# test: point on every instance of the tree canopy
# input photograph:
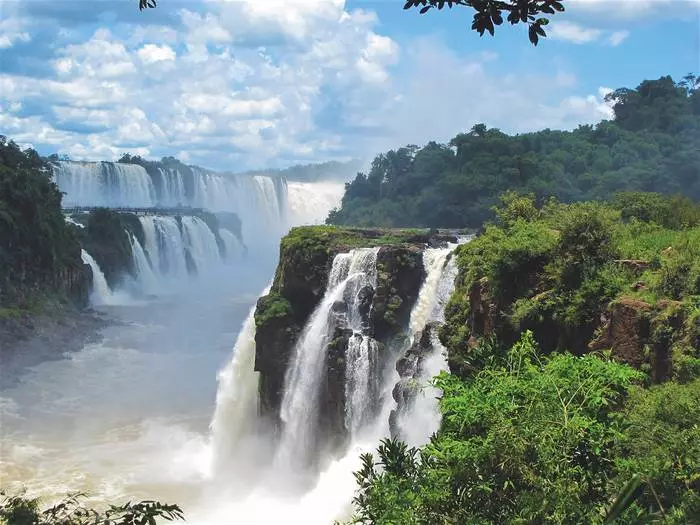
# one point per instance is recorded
(650, 145)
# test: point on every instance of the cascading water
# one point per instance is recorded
(235, 417)
(104, 184)
(201, 243)
(144, 272)
(310, 202)
(300, 404)
(100, 293)
(232, 245)
(164, 245)
(417, 421)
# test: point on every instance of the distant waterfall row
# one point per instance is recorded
(173, 249)
(265, 205)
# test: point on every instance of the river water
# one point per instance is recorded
(128, 416)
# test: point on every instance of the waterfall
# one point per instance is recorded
(164, 245)
(299, 412)
(201, 243)
(236, 401)
(171, 188)
(100, 293)
(310, 202)
(417, 421)
(234, 249)
(144, 272)
(104, 184)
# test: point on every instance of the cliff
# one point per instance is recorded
(306, 258)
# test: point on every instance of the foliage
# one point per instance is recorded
(19, 510)
(270, 307)
(37, 247)
(533, 439)
(650, 146)
(489, 13)
(556, 269)
(660, 443)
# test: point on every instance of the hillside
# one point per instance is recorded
(651, 145)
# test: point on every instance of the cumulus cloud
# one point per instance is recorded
(634, 9)
(151, 53)
(12, 30)
(247, 84)
(578, 34)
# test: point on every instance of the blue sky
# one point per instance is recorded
(247, 84)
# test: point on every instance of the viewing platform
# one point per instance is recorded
(136, 211)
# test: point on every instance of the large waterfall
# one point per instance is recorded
(266, 205)
(350, 275)
(106, 184)
(344, 307)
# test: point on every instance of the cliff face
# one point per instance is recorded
(306, 258)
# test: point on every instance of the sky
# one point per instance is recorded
(249, 84)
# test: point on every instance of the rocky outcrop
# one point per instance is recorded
(306, 258)
(625, 330)
(400, 274)
(644, 335)
(483, 309)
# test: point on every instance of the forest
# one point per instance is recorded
(39, 251)
(651, 145)
(573, 338)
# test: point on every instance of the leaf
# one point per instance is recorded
(625, 498)
(532, 33)
(425, 9)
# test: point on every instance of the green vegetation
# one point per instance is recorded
(271, 307)
(535, 439)
(19, 510)
(39, 252)
(650, 146)
(564, 320)
(557, 269)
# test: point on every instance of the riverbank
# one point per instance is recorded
(28, 338)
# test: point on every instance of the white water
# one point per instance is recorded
(418, 421)
(101, 293)
(361, 371)
(104, 184)
(201, 243)
(234, 249)
(164, 245)
(144, 273)
(310, 202)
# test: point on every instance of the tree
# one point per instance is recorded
(489, 13)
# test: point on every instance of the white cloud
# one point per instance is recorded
(633, 9)
(246, 84)
(618, 37)
(151, 53)
(572, 32)
(12, 30)
(578, 34)
(445, 94)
